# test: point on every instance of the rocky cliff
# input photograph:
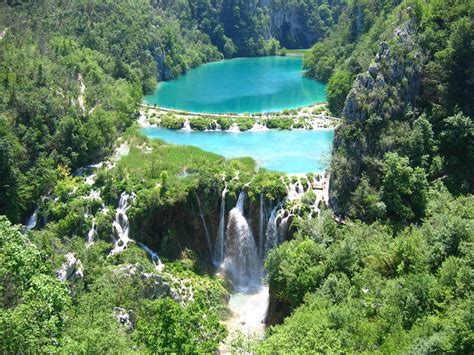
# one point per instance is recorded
(382, 98)
(299, 24)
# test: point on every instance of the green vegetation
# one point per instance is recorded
(406, 95)
(375, 290)
(393, 275)
(396, 277)
(296, 52)
(171, 121)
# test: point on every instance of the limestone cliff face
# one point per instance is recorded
(380, 99)
(171, 229)
(289, 24)
(390, 76)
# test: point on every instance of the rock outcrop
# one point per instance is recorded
(71, 270)
(298, 24)
(125, 318)
(381, 97)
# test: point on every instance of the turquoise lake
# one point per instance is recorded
(241, 85)
(292, 152)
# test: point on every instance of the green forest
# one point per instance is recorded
(386, 267)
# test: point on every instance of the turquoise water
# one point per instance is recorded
(291, 152)
(241, 85)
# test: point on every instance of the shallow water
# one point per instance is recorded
(241, 85)
(291, 152)
(249, 310)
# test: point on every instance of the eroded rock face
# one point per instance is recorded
(155, 286)
(388, 77)
(125, 318)
(71, 270)
(386, 92)
(295, 24)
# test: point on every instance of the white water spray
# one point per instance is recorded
(32, 220)
(91, 234)
(219, 248)
(121, 225)
(154, 257)
(241, 256)
(206, 231)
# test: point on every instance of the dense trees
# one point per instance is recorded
(375, 291)
(383, 287)
(165, 327)
(33, 302)
(396, 277)
(400, 75)
(72, 73)
(338, 87)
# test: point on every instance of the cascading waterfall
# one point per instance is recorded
(241, 256)
(261, 227)
(187, 126)
(91, 234)
(121, 225)
(208, 238)
(154, 257)
(32, 220)
(219, 248)
(273, 235)
(283, 228)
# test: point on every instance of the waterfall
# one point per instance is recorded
(32, 220)
(154, 257)
(276, 228)
(283, 228)
(187, 126)
(121, 225)
(261, 227)
(241, 256)
(208, 239)
(90, 235)
(219, 248)
(271, 234)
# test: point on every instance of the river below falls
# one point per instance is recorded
(249, 310)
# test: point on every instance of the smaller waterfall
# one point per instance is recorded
(219, 248)
(271, 234)
(241, 256)
(187, 126)
(277, 220)
(283, 228)
(32, 220)
(261, 227)
(121, 225)
(91, 234)
(154, 257)
(208, 239)
(234, 128)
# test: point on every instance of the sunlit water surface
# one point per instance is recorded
(241, 85)
(292, 152)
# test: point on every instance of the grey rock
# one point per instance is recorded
(125, 318)
(71, 270)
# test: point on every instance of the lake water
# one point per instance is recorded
(292, 152)
(241, 85)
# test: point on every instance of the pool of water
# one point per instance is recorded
(241, 85)
(292, 152)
